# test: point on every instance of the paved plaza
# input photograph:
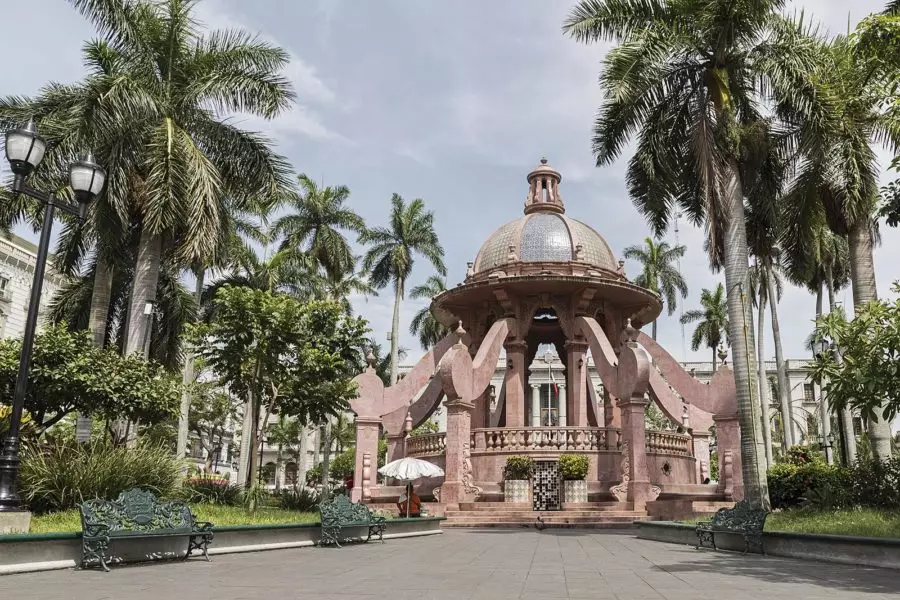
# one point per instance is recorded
(458, 565)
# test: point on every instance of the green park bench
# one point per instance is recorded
(339, 513)
(741, 520)
(138, 514)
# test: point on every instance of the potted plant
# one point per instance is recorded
(517, 478)
(574, 468)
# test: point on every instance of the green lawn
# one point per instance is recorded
(218, 515)
(862, 522)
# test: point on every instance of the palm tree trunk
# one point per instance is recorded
(326, 459)
(824, 413)
(829, 285)
(715, 358)
(143, 291)
(654, 329)
(395, 330)
(784, 390)
(186, 379)
(737, 282)
(100, 299)
(246, 448)
(845, 417)
(301, 459)
(862, 276)
(763, 384)
(819, 302)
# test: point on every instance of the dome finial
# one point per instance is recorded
(543, 160)
(543, 190)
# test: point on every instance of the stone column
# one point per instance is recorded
(728, 439)
(535, 405)
(366, 444)
(563, 415)
(576, 378)
(516, 378)
(457, 467)
(701, 453)
(638, 490)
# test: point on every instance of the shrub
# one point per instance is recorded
(314, 475)
(342, 465)
(518, 467)
(813, 483)
(213, 490)
(876, 483)
(60, 476)
(801, 455)
(255, 497)
(303, 499)
(574, 466)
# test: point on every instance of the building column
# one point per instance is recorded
(700, 441)
(459, 419)
(563, 415)
(535, 405)
(516, 378)
(638, 490)
(366, 445)
(576, 377)
(728, 446)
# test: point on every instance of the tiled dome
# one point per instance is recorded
(545, 233)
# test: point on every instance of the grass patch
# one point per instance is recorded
(70, 520)
(864, 522)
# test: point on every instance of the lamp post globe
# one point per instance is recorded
(24, 149)
(86, 178)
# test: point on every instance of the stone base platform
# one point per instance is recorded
(597, 515)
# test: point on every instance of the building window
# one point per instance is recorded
(809, 393)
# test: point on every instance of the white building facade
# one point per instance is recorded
(18, 258)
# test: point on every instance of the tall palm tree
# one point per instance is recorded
(838, 120)
(685, 78)
(391, 256)
(429, 329)
(315, 223)
(340, 286)
(712, 328)
(158, 96)
(660, 273)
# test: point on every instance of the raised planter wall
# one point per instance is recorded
(868, 552)
(42, 552)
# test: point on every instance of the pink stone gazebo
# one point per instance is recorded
(542, 280)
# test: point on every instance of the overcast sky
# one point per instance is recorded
(452, 102)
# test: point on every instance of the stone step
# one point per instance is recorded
(491, 506)
(525, 514)
(606, 522)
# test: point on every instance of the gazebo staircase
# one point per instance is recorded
(597, 515)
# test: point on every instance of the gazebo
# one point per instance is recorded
(543, 280)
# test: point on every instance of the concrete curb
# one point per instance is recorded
(841, 549)
(27, 553)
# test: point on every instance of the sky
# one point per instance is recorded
(451, 102)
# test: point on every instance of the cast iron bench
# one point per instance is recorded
(137, 514)
(741, 520)
(340, 513)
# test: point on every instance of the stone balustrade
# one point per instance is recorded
(669, 442)
(545, 439)
(430, 444)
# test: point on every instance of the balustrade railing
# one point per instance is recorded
(669, 442)
(547, 439)
(426, 445)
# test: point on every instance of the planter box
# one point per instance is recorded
(843, 549)
(517, 490)
(575, 491)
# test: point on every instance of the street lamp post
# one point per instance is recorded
(24, 151)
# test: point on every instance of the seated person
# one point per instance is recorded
(410, 499)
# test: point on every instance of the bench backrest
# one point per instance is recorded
(341, 510)
(742, 516)
(137, 511)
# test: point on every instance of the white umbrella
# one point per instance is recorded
(410, 469)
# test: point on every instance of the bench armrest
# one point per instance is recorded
(95, 530)
(202, 526)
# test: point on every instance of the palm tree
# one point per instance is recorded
(839, 117)
(340, 286)
(685, 79)
(390, 259)
(429, 329)
(660, 273)
(155, 108)
(712, 329)
(383, 361)
(315, 225)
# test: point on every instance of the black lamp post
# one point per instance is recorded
(24, 151)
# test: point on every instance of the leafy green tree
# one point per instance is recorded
(712, 329)
(391, 256)
(429, 329)
(429, 426)
(68, 374)
(686, 79)
(282, 356)
(212, 412)
(314, 224)
(660, 272)
(864, 375)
